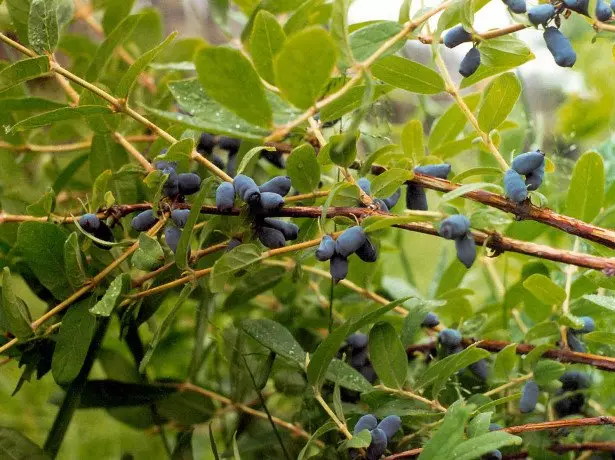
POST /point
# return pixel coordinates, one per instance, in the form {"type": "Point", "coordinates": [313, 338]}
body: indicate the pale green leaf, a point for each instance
{"type": "Point", "coordinates": [409, 75]}
{"type": "Point", "coordinates": [544, 289]}
{"type": "Point", "coordinates": [112, 297]}
{"type": "Point", "coordinates": [22, 71]}
{"type": "Point", "coordinates": [388, 355]}
{"type": "Point", "coordinates": [586, 190]}
{"type": "Point", "coordinates": [266, 41]}
{"type": "Point", "coordinates": [303, 168]}
{"type": "Point", "coordinates": [500, 98]}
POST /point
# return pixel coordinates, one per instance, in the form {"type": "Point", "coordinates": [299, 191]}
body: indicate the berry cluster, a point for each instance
{"type": "Point", "coordinates": [450, 340]}
{"type": "Point", "coordinates": [357, 355]}
{"type": "Point", "coordinates": [415, 194]}
{"type": "Point", "coordinates": [382, 433]}
{"type": "Point", "coordinates": [261, 200]}
{"type": "Point", "coordinates": [96, 227]}
{"type": "Point", "coordinates": [384, 204]}
{"type": "Point", "coordinates": [532, 166]}
{"type": "Point", "coordinates": [572, 381]}
{"type": "Point", "coordinates": [457, 227]}
{"type": "Point", "coordinates": [352, 241]}
{"type": "Point", "coordinates": [572, 335]}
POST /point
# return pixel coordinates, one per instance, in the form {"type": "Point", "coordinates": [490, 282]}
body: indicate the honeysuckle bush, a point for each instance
{"type": "Point", "coordinates": [163, 297]}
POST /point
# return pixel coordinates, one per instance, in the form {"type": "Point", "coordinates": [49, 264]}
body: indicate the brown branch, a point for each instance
{"type": "Point", "coordinates": [428, 39]}
{"type": "Point", "coordinates": [595, 446]}
{"type": "Point", "coordinates": [606, 363]}
{"type": "Point", "coordinates": [542, 426]}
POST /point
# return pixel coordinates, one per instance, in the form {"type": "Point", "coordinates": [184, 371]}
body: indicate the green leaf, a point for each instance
{"type": "Point", "coordinates": [115, 11]}
{"type": "Point", "coordinates": [533, 356]}
{"type": "Point", "coordinates": [337, 188]}
{"type": "Point", "coordinates": [479, 424]}
{"type": "Point", "coordinates": [107, 47]}
{"type": "Point", "coordinates": [365, 41]}
{"type": "Point", "coordinates": [303, 67]}
{"type": "Point", "coordinates": [544, 289]}
{"type": "Point", "coordinates": [322, 430]}
{"type": "Point", "coordinates": [63, 114]}
{"type": "Point", "coordinates": [19, 10]}
{"type": "Point", "coordinates": [500, 98]}
{"type": "Point", "coordinates": [42, 246]}
{"type": "Point", "coordinates": [546, 371]}
{"type": "Point", "coordinates": [603, 301]}
{"type": "Point", "coordinates": [346, 376]}
{"type": "Point", "coordinates": [387, 355]}
{"type": "Point", "coordinates": [113, 295]}
{"type": "Point", "coordinates": [131, 75]}
{"type": "Point", "coordinates": [358, 440]}
{"type": "Point", "coordinates": [44, 205]}
{"type": "Point", "coordinates": [460, 191]}
{"type": "Point", "coordinates": [351, 100]}
{"type": "Point", "coordinates": [100, 187]}
{"type": "Point", "coordinates": [73, 342]}
{"type": "Point", "coordinates": [30, 104]}
{"type": "Point", "coordinates": [183, 245]}
{"type": "Point", "coordinates": [16, 446]}
{"type": "Point", "coordinates": [320, 360]}
{"type": "Point", "coordinates": [229, 78]}
{"type": "Point", "coordinates": [409, 75]}
{"type": "Point", "coordinates": [480, 445]}
{"type": "Point", "coordinates": [504, 363]}
{"type": "Point", "coordinates": [254, 283]}
{"type": "Point", "coordinates": [437, 375]}
{"type": "Point", "coordinates": [448, 126]}
{"type": "Point", "coordinates": [149, 255]}
{"type": "Point", "coordinates": [341, 152]}
{"type": "Point", "coordinates": [179, 152]}
{"type": "Point", "coordinates": [480, 171]}
{"type": "Point", "coordinates": [603, 337]}
{"type": "Point", "coordinates": [266, 41]}
{"type": "Point", "coordinates": [151, 347]}
{"type": "Point", "coordinates": [233, 264]}
{"type": "Point", "coordinates": [23, 71]}
{"type": "Point", "coordinates": [412, 140]}
{"type": "Point", "coordinates": [449, 435]}
{"type": "Point", "coordinates": [73, 262]}
{"type": "Point", "coordinates": [303, 169]}
{"type": "Point", "coordinates": [586, 190]}
{"type": "Point", "coordinates": [339, 31]}
{"type": "Point", "coordinates": [14, 314]}
{"type": "Point", "coordinates": [43, 33]}
{"type": "Point", "coordinates": [385, 184]}
{"type": "Point", "coordinates": [253, 153]}
{"type": "Point", "coordinates": [275, 337]}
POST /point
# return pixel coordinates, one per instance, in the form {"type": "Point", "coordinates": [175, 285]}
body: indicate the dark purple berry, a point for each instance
{"type": "Point", "coordinates": [603, 11]}
{"type": "Point", "coordinates": [470, 62]}
{"type": "Point", "coordinates": [206, 144]}
{"type": "Point", "coordinates": [530, 161]}
{"type": "Point", "coordinates": [381, 205]}
{"type": "Point", "coordinates": [162, 165]}
{"type": "Point", "coordinates": [279, 184]}
{"type": "Point", "coordinates": [416, 198]}
{"type": "Point", "coordinates": [180, 217]}
{"type": "Point", "coordinates": [338, 267]}
{"type": "Point", "coordinates": [189, 183]}
{"type": "Point", "coordinates": [172, 236]}
{"type": "Point", "coordinates": [588, 325]}
{"type": "Point", "coordinates": [454, 226]}
{"type": "Point", "coordinates": [367, 252]}
{"type": "Point", "coordinates": [480, 369]}
{"type": "Point", "coordinates": [270, 237]}
{"type": "Point", "coordinates": [516, 6]}
{"type": "Point", "coordinates": [456, 36]}
{"type": "Point", "coordinates": [229, 144]}
{"type": "Point", "coordinates": [288, 229]}
{"type": "Point", "coordinates": [275, 158]}
{"type": "Point", "coordinates": [574, 380]}
{"type": "Point", "coordinates": [89, 222]}
{"type": "Point", "coordinates": [143, 221]}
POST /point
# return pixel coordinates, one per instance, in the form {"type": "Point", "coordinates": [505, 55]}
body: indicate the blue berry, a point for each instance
{"type": "Point", "coordinates": [529, 397]}
{"type": "Point", "coordinates": [416, 198]}
{"type": "Point", "coordinates": [449, 337]}
{"type": "Point", "coordinates": [172, 236]}
{"type": "Point", "coordinates": [279, 184]}
{"type": "Point", "coordinates": [270, 237]}
{"type": "Point", "coordinates": [180, 217]}
{"type": "Point", "coordinates": [494, 427]}
{"type": "Point", "coordinates": [574, 380]}
{"type": "Point", "coordinates": [162, 165]}
{"type": "Point", "coordinates": [270, 202]}
{"type": "Point", "coordinates": [229, 144]}
{"type": "Point", "coordinates": [225, 196]}
{"type": "Point", "coordinates": [365, 185]}
{"type": "Point", "coordinates": [493, 455]}
{"type": "Point", "coordinates": [603, 11]}
{"type": "Point", "coordinates": [189, 183]}
{"type": "Point", "coordinates": [367, 252]}
{"type": "Point", "coordinates": [89, 222]}
{"type": "Point", "coordinates": [381, 205]}
{"type": "Point", "coordinates": [560, 47]}
{"type": "Point", "coordinates": [528, 162]}
{"type": "Point", "coordinates": [574, 343]}
{"type": "Point", "coordinates": [514, 186]}
{"type": "Point", "coordinates": [540, 14]}
{"type": "Point", "coordinates": [338, 267]}
{"type": "Point", "coordinates": [357, 340]}
{"type": "Point", "coordinates": [326, 248]}
{"type": "Point", "coordinates": [350, 240]}
{"type": "Point", "coordinates": [441, 170]}
{"type": "Point", "coordinates": [288, 229]}
{"type": "Point", "coordinates": [206, 144]}
{"type": "Point", "coordinates": [430, 320]}
{"type": "Point", "coordinates": [516, 6]}
{"type": "Point", "coordinates": [378, 445]}
{"type": "Point", "coordinates": [454, 226]}
{"type": "Point", "coordinates": [246, 188]}
{"type": "Point", "coordinates": [145, 220]}
{"type": "Point", "coordinates": [390, 425]}
{"type": "Point", "coordinates": [366, 422]}
{"type": "Point", "coordinates": [456, 36]}
{"type": "Point", "coordinates": [480, 369]}
{"type": "Point", "coordinates": [588, 325]}
{"type": "Point", "coordinates": [393, 199]}
{"type": "Point", "coordinates": [466, 249]}
{"type": "Point", "coordinates": [534, 179]}
{"type": "Point", "coordinates": [171, 185]}
{"type": "Point", "coordinates": [470, 62]}
{"type": "Point", "coordinates": [232, 244]}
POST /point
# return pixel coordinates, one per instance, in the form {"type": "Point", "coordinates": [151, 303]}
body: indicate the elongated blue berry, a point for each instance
{"type": "Point", "coordinates": [206, 144]}
{"type": "Point", "coordinates": [279, 184]}
{"type": "Point", "coordinates": [270, 237]}
{"type": "Point", "coordinates": [456, 36]}
{"type": "Point", "coordinates": [359, 358]}
{"type": "Point", "coordinates": [416, 198]}
{"type": "Point", "coordinates": [588, 325]}
{"type": "Point", "coordinates": [574, 343]}
{"type": "Point", "coordinates": [393, 199]}
{"type": "Point", "coordinates": [529, 397]}
{"type": "Point", "coordinates": [603, 11]}
{"type": "Point", "coordinates": [466, 249]}
{"type": "Point", "coordinates": [480, 369]}
{"type": "Point", "coordinates": [534, 179]}
{"type": "Point", "coordinates": [449, 337]}
{"type": "Point", "coordinates": [540, 14]}
{"type": "Point", "coordinates": [288, 229]}
{"type": "Point", "coordinates": [378, 445]}
{"type": "Point", "coordinates": [574, 380]}
{"type": "Point", "coordinates": [172, 236]}
{"type": "Point", "coordinates": [470, 62]}
{"type": "Point", "coordinates": [390, 425]}
{"type": "Point", "coordinates": [358, 340]}
{"type": "Point", "coordinates": [350, 240]}
{"type": "Point", "coordinates": [162, 165]}
{"type": "Point", "coordinates": [180, 217]}
{"type": "Point", "coordinates": [246, 188]}
{"type": "Point", "coordinates": [559, 46]}
{"type": "Point", "coordinates": [143, 221]}
{"type": "Point", "coordinates": [365, 185]}
{"type": "Point", "coordinates": [326, 248]}
{"type": "Point", "coordinates": [454, 226]}
{"type": "Point", "coordinates": [381, 205]}
{"type": "Point", "coordinates": [366, 422]}
{"type": "Point", "coordinates": [225, 196]}
{"type": "Point", "coordinates": [171, 185]}
{"type": "Point", "coordinates": [441, 170]}
{"type": "Point", "coordinates": [580, 6]}
{"type": "Point", "coordinates": [367, 252]}
{"type": "Point", "coordinates": [229, 144]}
{"type": "Point", "coordinates": [338, 267]}
{"type": "Point", "coordinates": [514, 186]}
{"type": "Point", "coordinates": [270, 202]}
{"type": "Point", "coordinates": [516, 6]}
{"type": "Point", "coordinates": [528, 162]}
{"type": "Point", "coordinates": [89, 222]}
{"type": "Point", "coordinates": [275, 158]}
{"type": "Point", "coordinates": [189, 183]}
{"type": "Point", "coordinates": [430, 320]}
{"type": "Point", "coordinates": [613, 5]}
